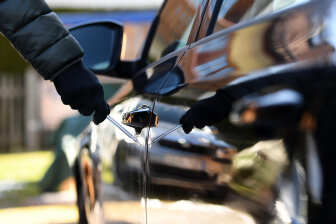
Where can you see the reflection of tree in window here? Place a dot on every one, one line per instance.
(174, 21)
(236, 11)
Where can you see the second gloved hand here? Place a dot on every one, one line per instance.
(206, 112)
(81, 90)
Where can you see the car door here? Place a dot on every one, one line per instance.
(127, 145)
(191, 176)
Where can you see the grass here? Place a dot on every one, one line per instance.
(26, 169)
(18, 197)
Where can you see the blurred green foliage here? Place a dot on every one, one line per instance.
(17, 197)
(10, 60)
(25, 167)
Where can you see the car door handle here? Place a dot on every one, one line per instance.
(140, 118)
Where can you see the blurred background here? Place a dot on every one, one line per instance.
(34, 122)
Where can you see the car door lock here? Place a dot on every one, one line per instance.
(140, 118)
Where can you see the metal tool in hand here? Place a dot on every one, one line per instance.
(139, 119)
(164, 134)
(123, 129)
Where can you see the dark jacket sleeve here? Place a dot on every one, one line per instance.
(40, 37)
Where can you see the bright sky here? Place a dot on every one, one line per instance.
(105, 4)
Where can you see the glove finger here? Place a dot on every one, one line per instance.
(187, 128)
(200, 124)
(65, 95)
(188, 120)
(182, 119)
(101, 111)
(66, 100)
(79, 101)
(86, 109)
(90, 99)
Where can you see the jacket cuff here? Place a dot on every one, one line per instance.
(66, 68)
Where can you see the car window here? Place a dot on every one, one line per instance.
(210, 14)
(174, 27)
(237, 11)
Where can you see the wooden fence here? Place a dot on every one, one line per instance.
(11, 112)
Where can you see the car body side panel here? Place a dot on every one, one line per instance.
(190, 168)
(129, 160)
(288, 39)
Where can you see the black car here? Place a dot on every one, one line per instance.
(192, 49)
(198, 161)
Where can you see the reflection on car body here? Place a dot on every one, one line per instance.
(195, 47)
(177, 159)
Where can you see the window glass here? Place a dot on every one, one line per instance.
(210, 10)
(236, 11)
(173, 30)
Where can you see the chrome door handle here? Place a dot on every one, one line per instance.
(140, 118)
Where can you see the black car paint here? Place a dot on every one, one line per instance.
(245, 50)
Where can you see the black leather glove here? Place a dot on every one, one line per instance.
(80, 88)
(206, 112)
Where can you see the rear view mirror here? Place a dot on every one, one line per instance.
(101, 42)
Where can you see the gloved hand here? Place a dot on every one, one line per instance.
(206, 112)
(80, 88)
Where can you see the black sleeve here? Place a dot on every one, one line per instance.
(40, 37)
